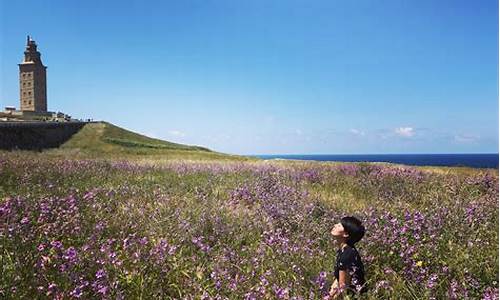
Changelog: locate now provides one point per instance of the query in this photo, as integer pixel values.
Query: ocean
(449, 160)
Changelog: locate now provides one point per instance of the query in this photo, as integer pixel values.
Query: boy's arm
(339, 286)
(344, 279)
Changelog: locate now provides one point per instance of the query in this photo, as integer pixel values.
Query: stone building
(32, 80)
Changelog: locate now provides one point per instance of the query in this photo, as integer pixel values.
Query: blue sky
(270, 77)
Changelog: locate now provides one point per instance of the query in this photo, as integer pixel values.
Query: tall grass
(240, 230)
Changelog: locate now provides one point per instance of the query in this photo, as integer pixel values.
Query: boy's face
(338, 231)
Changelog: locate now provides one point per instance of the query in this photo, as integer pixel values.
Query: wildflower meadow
(118, 229)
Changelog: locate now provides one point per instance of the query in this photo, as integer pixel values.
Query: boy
(349, 270)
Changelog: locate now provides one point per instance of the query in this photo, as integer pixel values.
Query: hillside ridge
(107, 137)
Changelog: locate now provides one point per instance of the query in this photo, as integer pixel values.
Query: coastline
(469, 160)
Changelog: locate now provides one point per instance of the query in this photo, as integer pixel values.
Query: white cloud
(298, 131)
(357, 132)
(269, 119)
(466, 138)
(176, 133)
(405, 131)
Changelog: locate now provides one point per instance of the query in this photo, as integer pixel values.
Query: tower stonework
(32, 80)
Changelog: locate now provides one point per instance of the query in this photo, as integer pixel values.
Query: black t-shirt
(348, 260)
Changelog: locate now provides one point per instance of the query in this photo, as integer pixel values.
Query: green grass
(105, 140)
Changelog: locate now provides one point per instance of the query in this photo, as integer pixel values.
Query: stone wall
(36, 135)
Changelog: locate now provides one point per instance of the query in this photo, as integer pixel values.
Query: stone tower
(32, 80)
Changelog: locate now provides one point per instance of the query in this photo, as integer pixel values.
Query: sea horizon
(474, 160)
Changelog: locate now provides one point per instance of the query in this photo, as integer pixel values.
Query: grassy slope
(96, 140)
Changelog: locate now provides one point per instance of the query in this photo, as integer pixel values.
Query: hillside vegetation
(105, 140)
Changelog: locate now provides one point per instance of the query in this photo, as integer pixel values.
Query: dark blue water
(450, 160)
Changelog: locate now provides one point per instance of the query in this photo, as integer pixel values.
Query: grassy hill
(102, 139)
